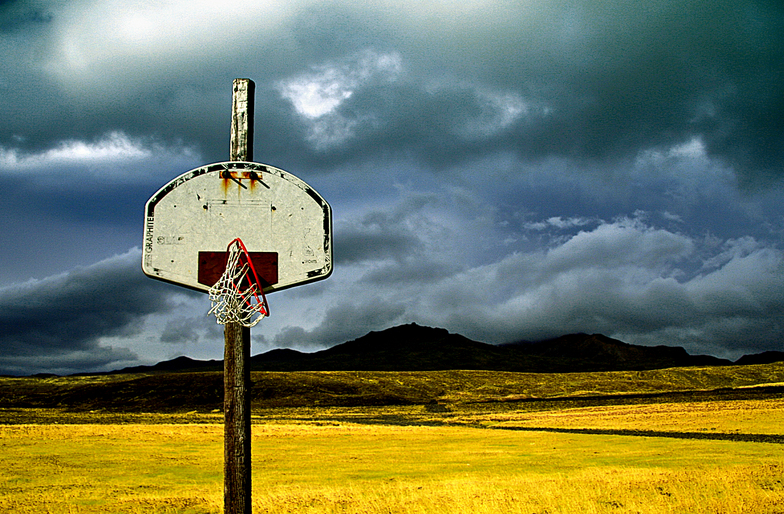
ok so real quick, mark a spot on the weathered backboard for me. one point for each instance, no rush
(283, 222)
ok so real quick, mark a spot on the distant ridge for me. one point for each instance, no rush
(413, 347)
(596, 352)
(402, 348)
(761, 358)
(178, 364)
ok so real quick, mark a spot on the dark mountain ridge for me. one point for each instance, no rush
(413, 347)
(596, 352)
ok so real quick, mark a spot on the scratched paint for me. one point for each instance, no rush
(271, 210)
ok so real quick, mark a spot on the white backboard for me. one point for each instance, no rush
(283, 222)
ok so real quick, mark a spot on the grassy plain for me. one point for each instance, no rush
(567, 452)
(203, 391)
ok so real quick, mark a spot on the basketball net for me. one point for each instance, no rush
(237, 297)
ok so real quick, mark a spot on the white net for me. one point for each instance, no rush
(237, 296)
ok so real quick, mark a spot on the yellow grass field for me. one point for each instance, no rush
(326, 460)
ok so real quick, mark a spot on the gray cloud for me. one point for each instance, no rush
(628, 279)
(583, 81)
(362, 245)
(624, 278)
(59, 197)
(100, 358)
(68, 314)
(586, 81)
(342, 323)
(381, 234)
(182, 330)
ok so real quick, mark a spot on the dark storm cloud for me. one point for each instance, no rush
(625, 278)
(356, 247)
(377, 236)
(343, 322)
(119, 204)
(61, 197)
(18, 15)
(398, 245)
(67, 314)
(596, 82)
(586, 81)
(181, 330)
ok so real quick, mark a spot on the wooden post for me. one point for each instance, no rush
(236, 424)
(242, 106)
(236, 361)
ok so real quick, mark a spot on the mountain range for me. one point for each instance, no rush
(413, 347)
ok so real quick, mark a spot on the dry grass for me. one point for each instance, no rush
(349, 468)
(593, 490)
(728, 417)
(183, 392)
(431, 458)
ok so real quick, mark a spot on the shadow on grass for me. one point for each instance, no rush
(748, 438)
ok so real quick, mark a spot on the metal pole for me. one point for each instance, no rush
(236, 362)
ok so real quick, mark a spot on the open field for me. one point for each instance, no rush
(317, 460)
(203, 391)
(483, 444)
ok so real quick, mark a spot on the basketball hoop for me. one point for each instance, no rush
(237, 297)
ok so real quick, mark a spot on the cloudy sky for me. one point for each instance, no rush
(504, 169)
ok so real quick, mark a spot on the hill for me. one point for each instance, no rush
(409, 365)
(595, 352)
(416, 348)
(202, 392)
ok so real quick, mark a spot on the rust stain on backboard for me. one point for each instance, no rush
(242, 179)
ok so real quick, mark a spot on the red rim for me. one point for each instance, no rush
(258, 288)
